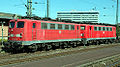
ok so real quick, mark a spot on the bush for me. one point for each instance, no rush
(5, 40)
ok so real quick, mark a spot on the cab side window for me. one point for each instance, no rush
(34, 25)
(77, 27)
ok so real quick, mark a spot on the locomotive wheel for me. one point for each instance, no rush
(33, 47)
(53, 47)
(62, 46)
(97, 43)
(66, 45)
(48, 47)
(74, 45)
(106, 41)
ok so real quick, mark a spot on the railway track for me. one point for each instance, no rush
(7, 59)
(111, 61)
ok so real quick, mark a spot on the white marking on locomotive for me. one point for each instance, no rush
(103, 32)
(59, 31)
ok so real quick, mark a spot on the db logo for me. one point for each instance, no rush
(60, 32)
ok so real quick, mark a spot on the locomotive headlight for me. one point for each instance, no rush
(18, 35)
(11, 35)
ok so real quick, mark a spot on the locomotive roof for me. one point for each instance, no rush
(43, 21)
(49, 20)
(60, 22)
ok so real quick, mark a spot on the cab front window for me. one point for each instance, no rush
(20, 24)
(12, 24)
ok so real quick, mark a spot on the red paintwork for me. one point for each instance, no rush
(41, 34)
(46, 34)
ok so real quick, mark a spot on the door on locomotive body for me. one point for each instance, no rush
(90, 31)
(34, 30)
(78, 31)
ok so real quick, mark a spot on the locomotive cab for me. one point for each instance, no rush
(16, 34)
(16, 30)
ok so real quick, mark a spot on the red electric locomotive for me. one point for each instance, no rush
(35, 34)
(98, 33)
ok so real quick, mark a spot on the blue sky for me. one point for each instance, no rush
(107, 8)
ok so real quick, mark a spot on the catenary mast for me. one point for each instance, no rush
(47, 8)
(29, 8)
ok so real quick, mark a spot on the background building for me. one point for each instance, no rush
(5, 34)
(79, 16)
(6, 17)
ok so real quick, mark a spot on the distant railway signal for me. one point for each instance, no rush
(2, 32)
